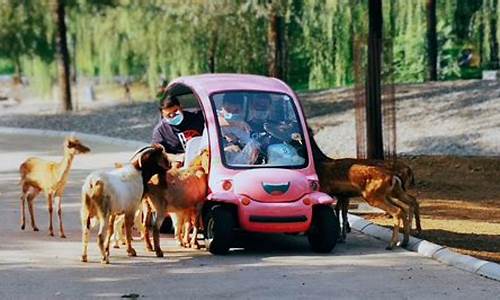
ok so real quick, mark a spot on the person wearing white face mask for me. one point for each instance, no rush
(176, 126)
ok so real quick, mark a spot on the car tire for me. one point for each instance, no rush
(219, 230)
(324, 230)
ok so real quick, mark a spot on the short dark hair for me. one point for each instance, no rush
(232, 98)
(167, 101)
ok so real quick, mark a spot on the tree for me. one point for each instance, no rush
(432, 45)
(276, 41)
(63, 59)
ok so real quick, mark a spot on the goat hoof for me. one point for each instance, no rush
(116, 247)
(84, 258)
(63, 236)
(51, 233)
(104, 261)
(388, 248)
(159, 253)
(22, 227)
(36, 229)
(131, 252)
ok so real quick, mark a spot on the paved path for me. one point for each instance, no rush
(36, 266)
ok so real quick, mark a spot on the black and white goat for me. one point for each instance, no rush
(106, 194)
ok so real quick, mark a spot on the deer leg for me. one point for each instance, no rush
(23, 216)
(414, 207)
(396, 213)
(59, 214)
(129, 222)
(50, 199)
(345, 210)
(343, 235)
(30, 197)
(405, 219)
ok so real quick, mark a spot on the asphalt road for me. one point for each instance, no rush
(36, 266)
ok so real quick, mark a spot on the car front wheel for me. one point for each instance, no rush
(219, 226)
(324, 230)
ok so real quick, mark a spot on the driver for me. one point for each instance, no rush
(239, 147)
(259, 112)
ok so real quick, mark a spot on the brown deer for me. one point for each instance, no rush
(50, 177)
(372, 180)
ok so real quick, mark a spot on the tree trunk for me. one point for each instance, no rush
(432, 46)
(375, 148)
(494, 42)
(212, 51)
(275, 44)
(63, 55)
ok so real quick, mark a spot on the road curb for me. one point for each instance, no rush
(83, 136)
(440, 253)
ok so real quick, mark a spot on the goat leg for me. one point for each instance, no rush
(194, 237)
(156, 235)
(103, 223)
(85, 222)
(50, 198)
(109, 233)
(129, 222)
(147, 227)
(59, 214)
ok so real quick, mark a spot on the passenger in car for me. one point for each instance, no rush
(239, 147)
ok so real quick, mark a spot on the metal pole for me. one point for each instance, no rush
(375, 148)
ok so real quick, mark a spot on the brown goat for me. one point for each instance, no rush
(50, 177)
(181, 192)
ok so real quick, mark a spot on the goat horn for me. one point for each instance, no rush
(140, 151)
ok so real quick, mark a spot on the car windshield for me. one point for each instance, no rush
(259, 129)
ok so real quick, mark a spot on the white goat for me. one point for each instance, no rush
(107, 194)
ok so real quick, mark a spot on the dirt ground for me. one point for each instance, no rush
(460, 203)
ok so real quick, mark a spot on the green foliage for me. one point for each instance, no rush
(151, 39)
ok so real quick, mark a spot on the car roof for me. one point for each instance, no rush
(212, 83)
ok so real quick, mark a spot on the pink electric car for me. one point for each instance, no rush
(261, 173)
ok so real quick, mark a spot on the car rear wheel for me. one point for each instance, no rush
(324, 230)
(219, 226)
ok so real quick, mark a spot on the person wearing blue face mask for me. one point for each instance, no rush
(176, 126)
(239, 147)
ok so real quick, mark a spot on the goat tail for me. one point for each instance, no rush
(92, 189)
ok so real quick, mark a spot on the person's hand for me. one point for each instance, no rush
(231, 137)
(242, 125)
(232, 148)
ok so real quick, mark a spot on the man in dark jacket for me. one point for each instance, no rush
(177, 126)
